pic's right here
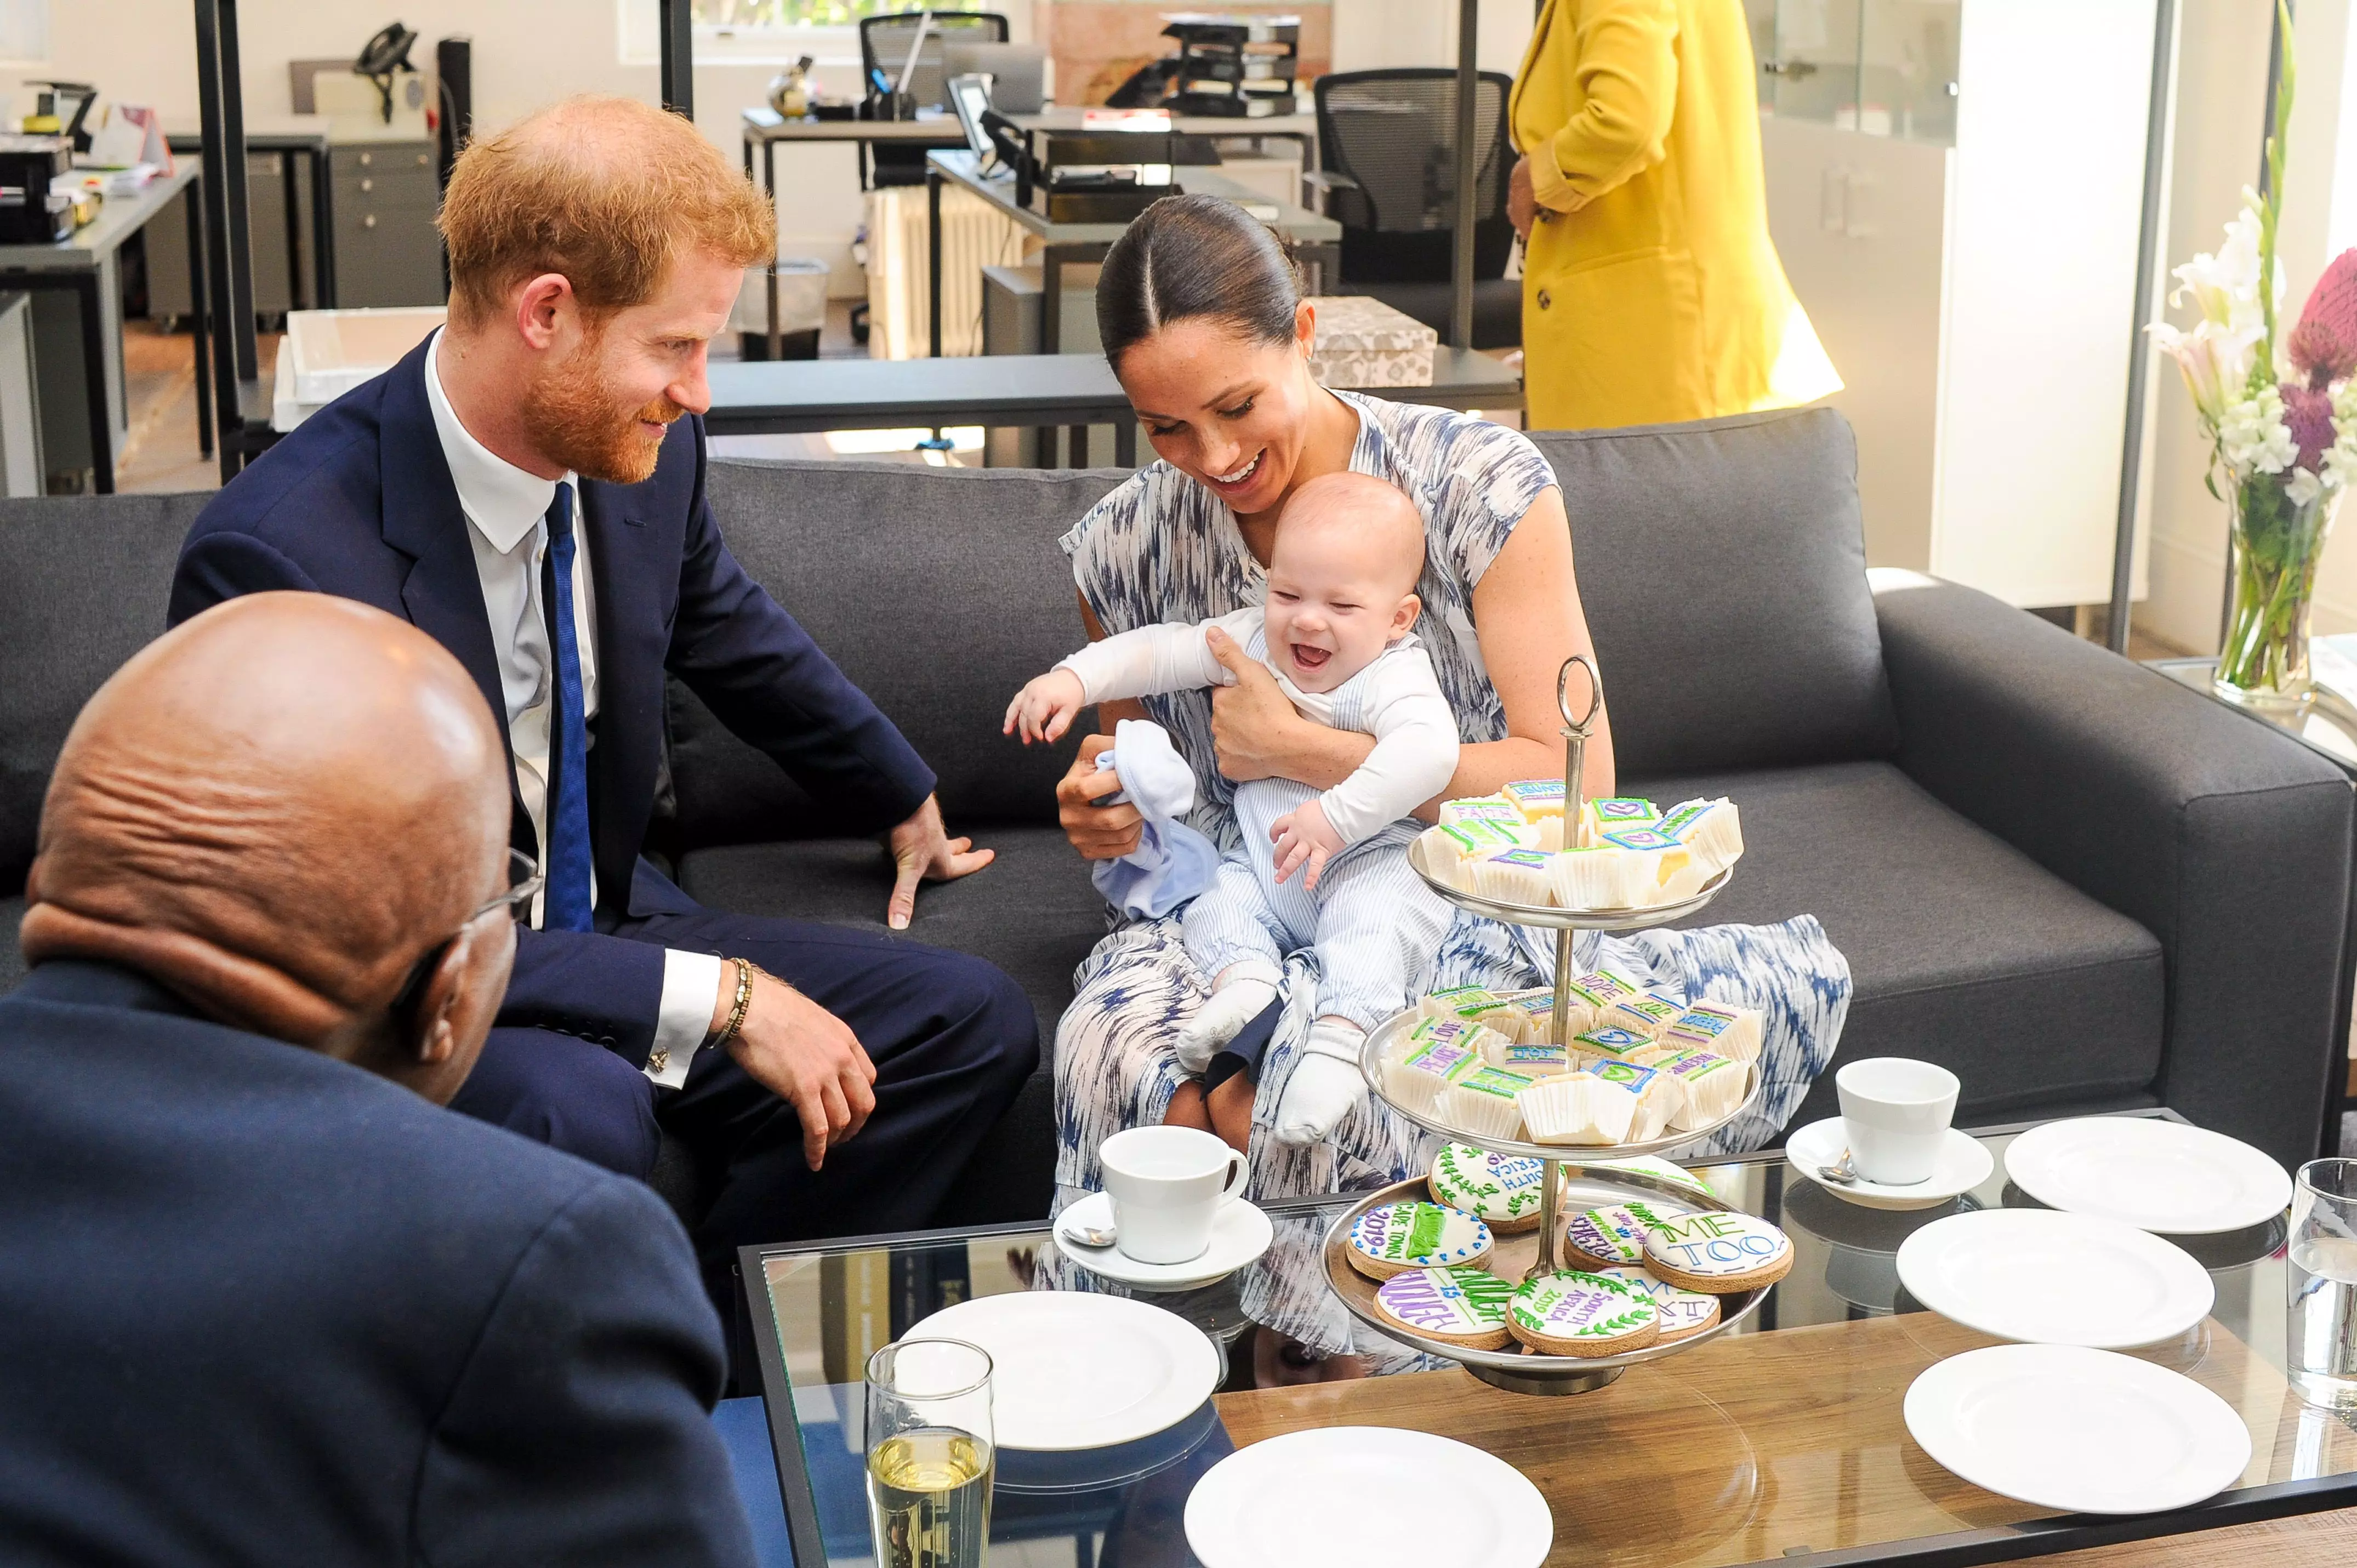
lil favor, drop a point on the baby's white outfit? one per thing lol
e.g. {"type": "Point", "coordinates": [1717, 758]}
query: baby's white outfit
{"type": "Point", "coordinates": [1374, 925]}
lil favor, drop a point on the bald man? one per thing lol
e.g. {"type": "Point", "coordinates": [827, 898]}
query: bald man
{"type": "Point", "coordinates": [528, 487]}
{"type": "Point", "coordinates": [271, 1304]}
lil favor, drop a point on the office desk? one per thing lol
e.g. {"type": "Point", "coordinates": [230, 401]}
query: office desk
{"type": "Point", "coordinates": [83, 266]}
{"type": "Point", "coordinates": [765, 128]}
{"type": "Point", "coordinates": [1318, 239]}
{"type": "Point", "coordinates": [1069, 390]}
{"type": "Point", "coordinates": [288, 139]}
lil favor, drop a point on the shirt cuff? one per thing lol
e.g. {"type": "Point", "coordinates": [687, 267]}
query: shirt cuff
{"type": "Point", "coordinates": [1549, 189]}
{"type": "Point", "coordinates": [691, 981]}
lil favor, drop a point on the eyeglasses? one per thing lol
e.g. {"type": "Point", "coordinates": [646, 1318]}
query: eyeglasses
{"type": "Point", "coordinates": [524, 883]}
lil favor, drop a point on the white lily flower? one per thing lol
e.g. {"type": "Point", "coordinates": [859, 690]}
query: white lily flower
{"type": "Point", "coordinates": [2214, 359]}
{"type": "Point", "coordinates": [2302, 487]}
{"type": "Point", "coordinates": [2225, 286]}
{"type": "Point", "coordinates": [2252, 438]}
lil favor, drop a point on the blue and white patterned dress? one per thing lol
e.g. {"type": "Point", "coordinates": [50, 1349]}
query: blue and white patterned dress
{"type": "Point", "coordinates": [1163, 548]}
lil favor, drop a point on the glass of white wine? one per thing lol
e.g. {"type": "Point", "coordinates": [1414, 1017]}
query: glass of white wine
{"type": "Point", "coordinates": [932, 1453]}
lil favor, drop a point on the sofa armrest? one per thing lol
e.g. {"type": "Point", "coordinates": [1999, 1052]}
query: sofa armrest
{"type": "Point", "coordinates": [2226, 838]}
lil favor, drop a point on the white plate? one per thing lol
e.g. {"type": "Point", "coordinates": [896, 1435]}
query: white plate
{"type": "Point", "coordinates": [1340, 1496]}
{"type": "Point", "coordinates": [2156, 1176]}
{"type": "Point", "coordinates": [2048, 1278]}
{"type": "Point", "coordinates": [1073, 1370]}
{"type": "Point", "coordinates": [1240, 1234]}
{"type": "Point", "coordinates": [2061, 1426]}
{"type": "Point", "coordinates": [1964, 1162]}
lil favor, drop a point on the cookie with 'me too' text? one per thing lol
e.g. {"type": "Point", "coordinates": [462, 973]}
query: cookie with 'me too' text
{"type": "Point", "coordinates": [1717, 1252]}
{"type": "Point", "coordinates": [1457, 1306]}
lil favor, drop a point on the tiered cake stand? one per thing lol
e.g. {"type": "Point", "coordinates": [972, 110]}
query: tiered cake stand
{"type": "Point", "coordinates": [1583, 1175]}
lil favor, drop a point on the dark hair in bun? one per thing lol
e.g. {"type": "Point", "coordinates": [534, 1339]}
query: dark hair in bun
{"type": "Point", "coordinates": [1195, 255]}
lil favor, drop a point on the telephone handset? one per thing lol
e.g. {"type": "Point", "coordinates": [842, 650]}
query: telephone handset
{"type": "Point", "coordinates": [383, 57]}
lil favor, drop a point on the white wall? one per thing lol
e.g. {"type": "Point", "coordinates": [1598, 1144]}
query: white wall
{"type": "Point", "coordinates": [1372, 34]}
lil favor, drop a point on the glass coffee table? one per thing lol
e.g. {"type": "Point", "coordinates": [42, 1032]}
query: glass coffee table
{"type": "Point", "coordinates": [1780, 1441]}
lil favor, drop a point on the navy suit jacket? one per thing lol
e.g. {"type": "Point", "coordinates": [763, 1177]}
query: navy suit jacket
{"type": "Point", "coordinates": [358, 502]}
{"type": "Point", "coordinates": [266, 1307]}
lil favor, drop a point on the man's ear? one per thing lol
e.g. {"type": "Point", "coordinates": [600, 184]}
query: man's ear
{"type": "Point", "coordinates": [1404, 617]}
{"type": "Point", "coordinates": [456, 1007]}
{"type": "Point", "coordinates": [541, 308]}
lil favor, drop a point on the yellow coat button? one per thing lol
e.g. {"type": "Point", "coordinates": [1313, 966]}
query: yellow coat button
{"type": "Point", "coordinates": [1543, 300]}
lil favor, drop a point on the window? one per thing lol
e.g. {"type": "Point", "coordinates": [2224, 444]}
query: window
{"type": "Point", "coordinates": [777, 16]}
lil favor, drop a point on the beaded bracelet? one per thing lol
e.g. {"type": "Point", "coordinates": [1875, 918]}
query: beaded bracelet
{"type": "Point", "coordinates": [742, 1005]}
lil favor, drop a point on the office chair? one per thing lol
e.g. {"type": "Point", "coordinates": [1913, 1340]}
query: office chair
{"type": "Point", "coordinates": [1387, 152]}
{"type": "Point", "coordinates": [884, 46]}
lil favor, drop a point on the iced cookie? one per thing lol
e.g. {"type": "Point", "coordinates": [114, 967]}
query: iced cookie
{"type": "Point", "coordinates": [1492, 809]}
{"type": "Point", "coordinates": [1501, 1190]}
{"type": "Point", "coordinates": [1654, 1166]}
{"type": "Point", "coordinates": [1454, 1002]}
{"type": "Point", "coordinates": [1574, 1314]}
{"type": "Point", "coordinates": [1624, 811]}
{"type": "Point", "coordinates": [1536, 1062]}
{"type": "Point", "coordinates": [1717, 1251]}
{"type": "Point", "coordinates": [1683, 1312]}
{"type": "Point", "coordinates": [1453, 847]}
{"type": "Point", "coordinates": [1462, 1307]}
{"type": "Point", "coordinates": [1393, 1237]}
{"type": "Point", "coordinates": [1603, 1239]}
{"type": "Point", "coordinates": [1609, 1043]}
{"type": "Point", "coordinates": [1649, 1015]}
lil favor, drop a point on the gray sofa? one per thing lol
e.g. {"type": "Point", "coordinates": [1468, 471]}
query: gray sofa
{"type": "Point", "coordinates": [2072, 881]}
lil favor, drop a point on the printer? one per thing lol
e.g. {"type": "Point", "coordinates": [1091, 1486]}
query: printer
{"type": "Point", "coordinates": [31, 212]}
{"type": "Point", "coordinates": [1105, 177]}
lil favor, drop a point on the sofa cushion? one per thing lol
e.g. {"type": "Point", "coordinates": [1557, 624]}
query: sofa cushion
{"type": "Point", "coordinates": [939, 591]}
{"type": "Point", "coordinates": [1722, 564]}
{"type": "Point", "coordinates": [1964, 950]}
{"type": "Point", "coordinates": [11, 960]}
{"type": "Point", "coordinates": [1033, 912]}
{"type": "Point", "coordinates": [82, 585]}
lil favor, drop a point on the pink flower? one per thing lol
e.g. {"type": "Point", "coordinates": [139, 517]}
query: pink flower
{"type": "Point", "coordinates": [2323, 347]}
{"type": "Point", "coordinates": [2307, 415]}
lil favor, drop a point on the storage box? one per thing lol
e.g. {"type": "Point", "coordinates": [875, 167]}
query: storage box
{"type": "Point", "coordinates": [334, 350]}
{"type": "Point", "coordinates": [1362, 342]}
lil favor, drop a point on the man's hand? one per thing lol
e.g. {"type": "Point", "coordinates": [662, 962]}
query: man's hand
{"type": "Point", "coordinates": [1522, 205]}
{"type": "Point", "coordinates": [1099, 832]}
{"type": "Point", "coordinates": [1303, 835]}
{"type": "Point", "coordinates": [923, 851]}
{"type": "Point", "coordinates": [1044, 709]}
{"type": "Point", "coordinates": [805, 1055]}
{"type": "Point", "coordinates": [1251, 719]}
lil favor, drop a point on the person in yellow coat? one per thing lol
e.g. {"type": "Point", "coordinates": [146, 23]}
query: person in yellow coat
{"type": "Point", "coordinates": [1651, 289]}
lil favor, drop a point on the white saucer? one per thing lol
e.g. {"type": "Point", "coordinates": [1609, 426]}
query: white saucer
{"type": "Point", "coordinates": [2061, 1426]}
{"type": "Point", "coordinates": [1070, 1370]}
{"type": "Point", "coordinates": [1240, 1234]}
{"type": "Point", "coordinates": [1964, 1162]}
{"type": "Point", "coordinates": [1344, 1497]}
{"type": "Point", "coordinates": [2044, 1277]}
{"type": "Point", "coordinates": [2153, 1175]}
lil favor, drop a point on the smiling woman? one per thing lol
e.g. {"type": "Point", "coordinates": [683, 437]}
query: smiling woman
{"type": "Point", "coordinates": [1201, 316]}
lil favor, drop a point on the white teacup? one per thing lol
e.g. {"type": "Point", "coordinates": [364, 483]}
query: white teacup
{"type": "Point", "coordinates": [1166, 1184]}
{"type": "Point", "coordinates": [1897, 1113]}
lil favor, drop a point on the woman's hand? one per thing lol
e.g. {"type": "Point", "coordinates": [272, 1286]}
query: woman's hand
{"type": "Point", "coordinates": [1252, 723]}
{"type": "Point", "coordinates": [1099, 832]}
{"type": "Point", "coordinates": [1522, 204]}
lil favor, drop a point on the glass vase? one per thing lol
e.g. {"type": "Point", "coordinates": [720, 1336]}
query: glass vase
{"type": "Point", "coordinates": [2276, 542]}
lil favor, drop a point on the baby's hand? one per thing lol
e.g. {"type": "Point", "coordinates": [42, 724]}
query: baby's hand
{"type": "Point", "coordinates": [1043, 710]}
{"type": "Point", "coordinates": [1305, 835]}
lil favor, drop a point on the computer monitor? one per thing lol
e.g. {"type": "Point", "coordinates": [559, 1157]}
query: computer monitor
{"type": "Point", "coordinates": [1017, 71]}
{"type": "Point", "coordinates": [969, 96]}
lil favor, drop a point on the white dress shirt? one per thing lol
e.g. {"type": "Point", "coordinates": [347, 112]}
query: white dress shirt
{"type": "Point", "coordinates": [507, 511]}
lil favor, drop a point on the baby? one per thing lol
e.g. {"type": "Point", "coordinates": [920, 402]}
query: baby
{"type": "Point", "coordinates": [1337, 632]}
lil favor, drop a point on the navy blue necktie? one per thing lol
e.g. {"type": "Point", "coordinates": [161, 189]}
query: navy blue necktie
{"type": "Point", "coordinates": [568, 905]}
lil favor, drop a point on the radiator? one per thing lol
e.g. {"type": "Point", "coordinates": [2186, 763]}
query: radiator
{"type": "Point", "coordinates": [975, 235]}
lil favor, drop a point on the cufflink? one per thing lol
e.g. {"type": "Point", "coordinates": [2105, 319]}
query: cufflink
{"type": "Point", "coordinates": [660, 1061]}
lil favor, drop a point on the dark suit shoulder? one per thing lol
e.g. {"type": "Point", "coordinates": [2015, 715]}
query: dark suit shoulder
{"type": "Point", "coordinates": [325, 470]}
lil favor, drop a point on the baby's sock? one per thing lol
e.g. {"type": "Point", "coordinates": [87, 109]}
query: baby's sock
{"type": "Point", "coordinates": [1244, 989]}
{"type": "Point", "coordinates": [1325, 1085]}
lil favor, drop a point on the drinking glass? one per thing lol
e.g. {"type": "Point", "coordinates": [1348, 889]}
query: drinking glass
{"type": "Point", "coordinates": [931, 1453]}
{"type": "Point", "coordinates": [2322, 1259]}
